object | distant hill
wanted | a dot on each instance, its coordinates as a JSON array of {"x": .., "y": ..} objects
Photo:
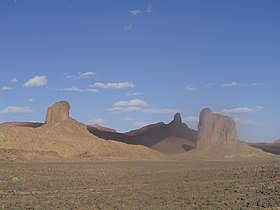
[
  {"x": 153, "y": 134},
  {"x": 277, "y": 141},
  {"x": 273, "y": 148}
]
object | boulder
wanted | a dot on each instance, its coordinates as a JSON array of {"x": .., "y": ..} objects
[
  {"x": 215, "y": 130},
  {"x": 58, "y": 112}
]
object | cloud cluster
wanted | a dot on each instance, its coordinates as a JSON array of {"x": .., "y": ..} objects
[
  {"x": 97, "y": 121},
  {"x": 16, "y": 110},
  {"x": 159, "y": 111},
  {"x": 191, "y": 88},
  {"x": 127, "y": 27},
  {"x": 135, "y": 12},
  {"x": 245, "y": 122},
  {"x": 6, "y": 88},
  {"x": 134, "y": 94},
  {"x": 112, "y": 85},
  {"x": 37, "y": 81},
  {"x": 14, "y": 80},
  {"x": 137, "y": 105},
  {"x": 128, "y": 106},
  {"x": 131, "y": 103},
  {"x": 231, "y": 84},
  {"x": 82, "y": 75},
  {"x": 242, "y": 110}
]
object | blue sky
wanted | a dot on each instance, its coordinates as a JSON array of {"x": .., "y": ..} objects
[{"x": 124, "y": 64}]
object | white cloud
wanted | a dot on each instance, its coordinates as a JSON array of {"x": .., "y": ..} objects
[
  {"x": 137, "y": 105},
  {"x": 135, "y": 12},
  {"x": 124, "y": 109},
  {"x": 149, "y": 8},
  {"x": 128, "y": 106},
  {"x": 72, "y": 89},
  {"x": 191, "y": 119},
  {"x": 16, "y": 110},
  {"x": 37, "y": 81},
  {"x": 97, "y": 121},
  {"x": 191, "y": 88},
  {"x": 245, "y": 122},
  {"x": 210, "y": 84},
  {"x": 134, "y": 94},
  {"x": 6, "y": 88},
  {"x": 92, "y": 90},
  {"x": 242, "y": 110},
  {"x": 131, "y": 103},
  {"x": 76, "y": 89},
  {"x": 128, "y": 27},
  {"x": 231, "y": 84},
  {"x": 111, "y": 85},
  {"x": 14, "y": 80},
  {"x": 82, "y": 75},
  {"x": 258, "y": 84},
  {"x": 31, "y": 99},
  {"x": 140, "y": 124},
  {"x": 88, "y": 75},
  {"x": 159, "y": 111}
]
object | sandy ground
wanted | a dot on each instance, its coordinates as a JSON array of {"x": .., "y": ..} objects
[{"x": 250, "y": 184}]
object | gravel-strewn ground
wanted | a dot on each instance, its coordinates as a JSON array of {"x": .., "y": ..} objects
[{"x": 250, "y": 184}]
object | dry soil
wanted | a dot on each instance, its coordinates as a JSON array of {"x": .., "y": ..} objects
[{"x": 231, "y": 184}]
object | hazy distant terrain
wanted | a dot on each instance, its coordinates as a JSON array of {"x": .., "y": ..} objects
[{"x": 273, "y": 148}]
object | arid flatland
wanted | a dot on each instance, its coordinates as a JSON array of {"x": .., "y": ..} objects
[{"x": 231, "y": 184}]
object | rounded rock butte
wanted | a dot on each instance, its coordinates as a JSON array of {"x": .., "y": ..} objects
[
  {"x": 58, "y": 112},
  {"x": 215, "y": 129}
]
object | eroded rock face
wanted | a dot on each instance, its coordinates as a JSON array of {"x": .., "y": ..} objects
[
  {"x": 215, "y": 129},
  {"x": 58, "y": 112}
]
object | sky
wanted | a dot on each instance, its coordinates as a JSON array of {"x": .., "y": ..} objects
[{"x": 125, "y": 64}]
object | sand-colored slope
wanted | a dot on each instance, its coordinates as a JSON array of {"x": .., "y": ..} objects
[
  {"x": 173, "y": 145},
  {"x": 240, "y": 150},
  {"x": 69, "y": 139},
  {"x": 65, "y": 138}
]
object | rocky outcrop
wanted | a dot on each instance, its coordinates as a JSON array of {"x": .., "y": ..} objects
[
  {"x": 177, "y": 119},
  {"x": 58, "y": 112},
  {"x": 217, "y": 139},
  {"x": 214, "y": 130}
]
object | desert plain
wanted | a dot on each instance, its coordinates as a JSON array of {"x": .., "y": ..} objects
[
  {"x": 177, "y": 184},
  {"x": 64, "y": 164}
]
